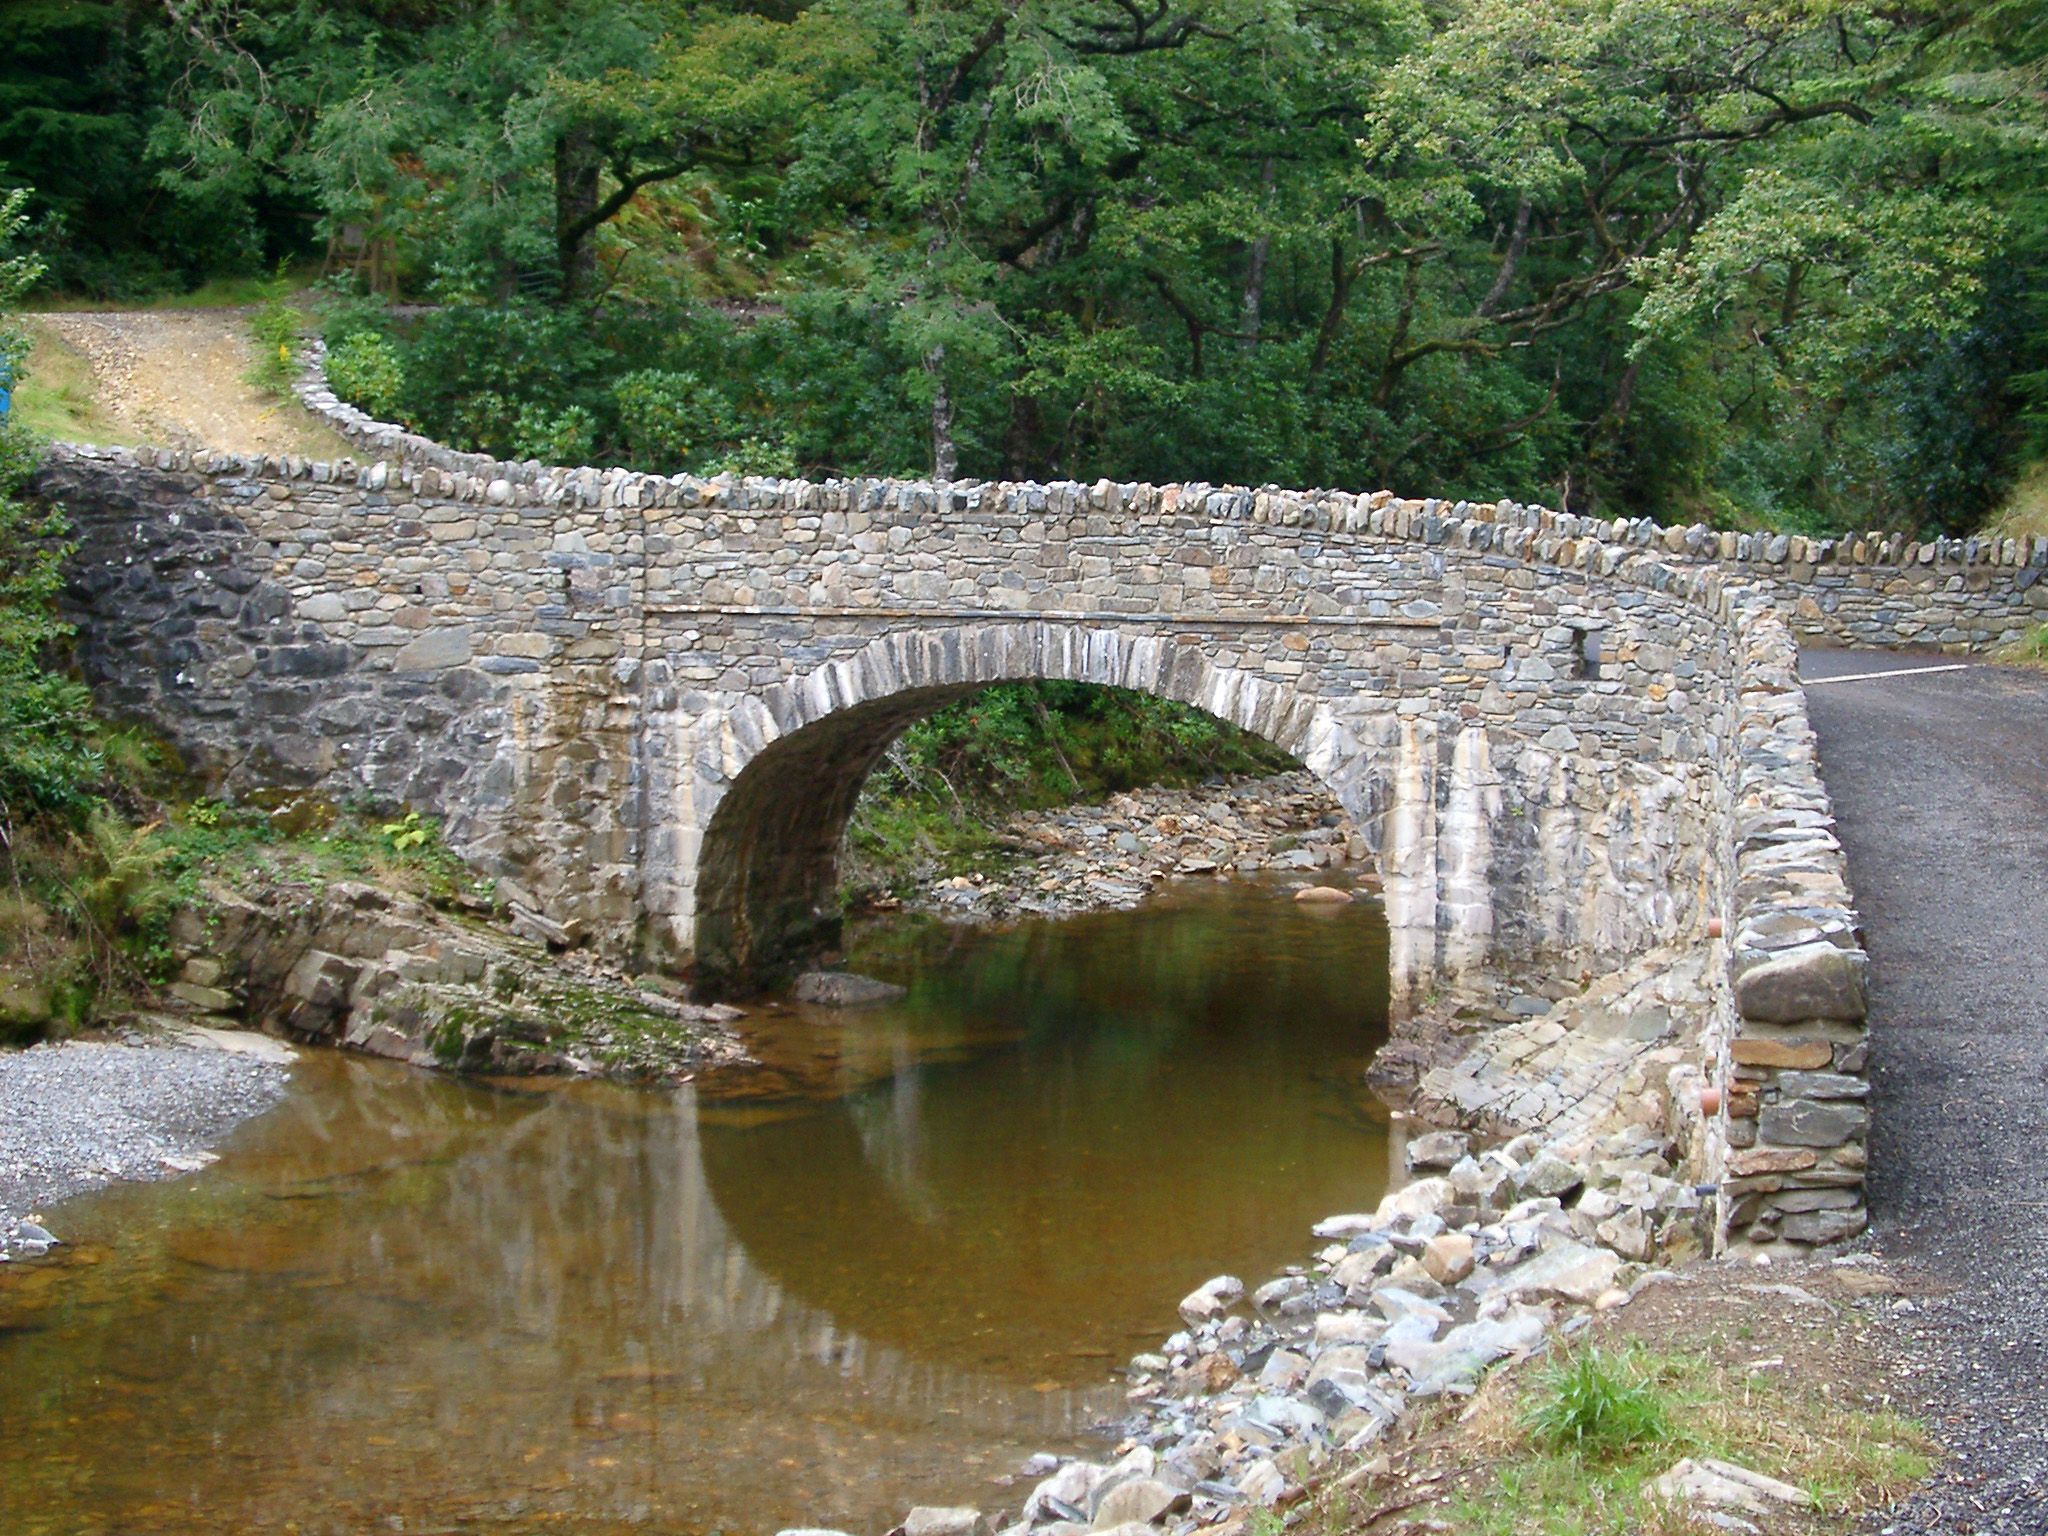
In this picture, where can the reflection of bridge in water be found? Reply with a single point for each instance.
(405, 1297)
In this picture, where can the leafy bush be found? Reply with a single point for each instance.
(665, 415)
(365, 369)
(1599, 1405)
(554, 436)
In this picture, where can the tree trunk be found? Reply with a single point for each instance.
(1255, 272)
(576, 170)
(945, 452)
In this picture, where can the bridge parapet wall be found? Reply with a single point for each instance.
(1874, 590)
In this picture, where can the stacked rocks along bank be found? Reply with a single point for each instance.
(1490, 1256)
(1562, 741)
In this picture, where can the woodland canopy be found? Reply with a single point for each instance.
(1768, 263)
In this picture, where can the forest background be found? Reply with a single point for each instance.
(1765, 264)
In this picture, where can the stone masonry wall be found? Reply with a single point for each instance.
(577, 682)
(1564, 738)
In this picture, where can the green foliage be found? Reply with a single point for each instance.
(275, 329)
(1760, 264)
(365, 369)
(409, 834)
(664, 414)
(47, 761)
(951, 777)
(1598, 1404)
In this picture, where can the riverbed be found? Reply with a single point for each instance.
(883, 1269)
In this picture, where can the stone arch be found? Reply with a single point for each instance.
(763, 782)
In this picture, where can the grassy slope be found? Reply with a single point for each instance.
(57, 400)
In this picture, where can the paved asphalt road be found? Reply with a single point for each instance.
(1940, 785)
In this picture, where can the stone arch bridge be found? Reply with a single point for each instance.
(652, 701)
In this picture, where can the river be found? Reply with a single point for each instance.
(882, 1270)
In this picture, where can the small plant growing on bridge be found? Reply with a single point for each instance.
(408, 835)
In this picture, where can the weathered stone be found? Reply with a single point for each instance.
(1759, 1160)
(843, 989)
(1569, 1271)
(1821, 1085)
(1811, 1123)
(1211, 1298)
(1448, 1257)
(434, 650)
(1703, 1481)
(1813, 981)
(1832, 1226)
(1750, 1051)
(928, 1520)
(1549, 1175)
(1437, 1150)
(1142, 1501)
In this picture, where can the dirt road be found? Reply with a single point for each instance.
(178, 378)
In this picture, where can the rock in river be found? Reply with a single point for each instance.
(843, 989)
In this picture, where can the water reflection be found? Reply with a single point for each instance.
(468, 1307)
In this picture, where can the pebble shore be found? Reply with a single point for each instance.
(1103, 857)
(83, 1114)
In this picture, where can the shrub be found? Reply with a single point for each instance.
(47, 761)
(666, 415)
(554, 435)
(276, 329)
(365, 369)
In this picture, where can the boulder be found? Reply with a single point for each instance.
(1549, 1175)
(1809, 981)
(932, 1520)
(1438, 1150)
(1324, 895)
(843, 989)
(1569, 1271)
(1072, 1487)
(1141, 1501)
(1448, 1257)
(1724, 1485)
(1210, 1298)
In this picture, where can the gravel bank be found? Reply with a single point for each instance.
(1938, 783)
(1090, 858)
(76, 1116)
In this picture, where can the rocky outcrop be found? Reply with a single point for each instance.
(373, 970)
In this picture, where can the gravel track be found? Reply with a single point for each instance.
(179, 378)
(1940, 783)
(76, 1116)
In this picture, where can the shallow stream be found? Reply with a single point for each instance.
(880, 1271)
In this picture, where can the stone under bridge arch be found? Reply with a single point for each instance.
(760, 784)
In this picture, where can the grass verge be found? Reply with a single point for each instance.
(1572, 1448)
(2030, 652)
(58, 401)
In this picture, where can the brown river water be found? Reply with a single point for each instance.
(881, 1272)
